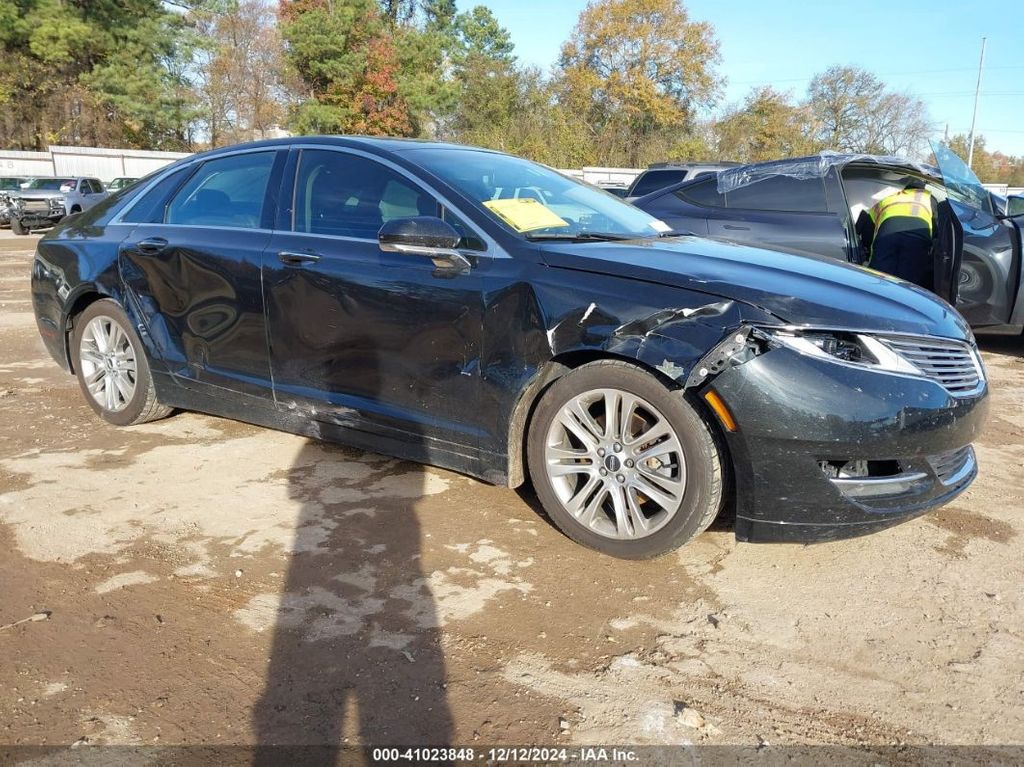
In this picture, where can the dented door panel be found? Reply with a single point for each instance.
(200, 300)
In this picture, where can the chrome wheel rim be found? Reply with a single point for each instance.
(108, 363)
(616, 464)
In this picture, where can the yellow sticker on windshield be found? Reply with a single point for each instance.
(524, 215)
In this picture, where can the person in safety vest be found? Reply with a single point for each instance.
(902, 226)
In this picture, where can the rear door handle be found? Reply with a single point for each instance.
(737, 228)
(152, 245)
(291, 258)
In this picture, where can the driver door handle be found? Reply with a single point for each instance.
(152, 245)
(291, 258)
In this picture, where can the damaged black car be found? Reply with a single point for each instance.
(483, 313)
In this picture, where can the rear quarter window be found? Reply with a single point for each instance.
(653, 180)
(783, 193)
(702, 193)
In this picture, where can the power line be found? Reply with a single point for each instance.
(882, 74)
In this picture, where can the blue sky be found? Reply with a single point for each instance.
(929, 49)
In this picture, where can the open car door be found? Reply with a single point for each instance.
(977, 253)
(947, 251)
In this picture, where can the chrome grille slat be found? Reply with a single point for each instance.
(952, 364)
(948, 464)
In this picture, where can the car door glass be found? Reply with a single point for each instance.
(228, 191)
(346, 195)
(653, 180)
(149, 208)
(782, 193)
(702, 193)
(470, 239)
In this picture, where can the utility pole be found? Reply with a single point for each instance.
(977, 93)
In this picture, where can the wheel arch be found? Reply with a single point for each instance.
(85, 296)
(547, 374)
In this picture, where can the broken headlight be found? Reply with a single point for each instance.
(859, 349)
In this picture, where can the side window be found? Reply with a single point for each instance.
(149, 209)
(227, 191)
(702, 193)
(781, 193)
(346, 195)
(653, 180)
(470, 240)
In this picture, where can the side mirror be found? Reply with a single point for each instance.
(425, 236)
(1015, 205)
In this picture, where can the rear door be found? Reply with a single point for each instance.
(977, 254)
(193, 270)
(777, 212)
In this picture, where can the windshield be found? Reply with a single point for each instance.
(959, 180)
(536, 202)
(52, 184)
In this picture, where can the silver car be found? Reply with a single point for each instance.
(44, 201)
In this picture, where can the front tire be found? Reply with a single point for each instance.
(17, 227)
(111, 366)
(621, 463)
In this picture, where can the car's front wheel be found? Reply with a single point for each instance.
(112, 368)
(17, 227)
(621, 463)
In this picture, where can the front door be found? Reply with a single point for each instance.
(378, 342)
(195, 275)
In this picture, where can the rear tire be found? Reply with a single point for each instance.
(17, 227)
(636, 484)
(112, 368)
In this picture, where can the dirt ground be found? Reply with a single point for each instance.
(210, 582)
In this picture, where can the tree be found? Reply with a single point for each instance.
(636, 68)
(99, 72)
(238, 69)
(767, 126)
(347, 67)
(989, 167)
(478, 33)
(855, 113)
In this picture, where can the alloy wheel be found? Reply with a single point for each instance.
(109, 365)
(615, 463)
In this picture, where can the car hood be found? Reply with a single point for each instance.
(798, 289)
(37, 194)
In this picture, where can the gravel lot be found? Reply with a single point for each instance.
(212, 582)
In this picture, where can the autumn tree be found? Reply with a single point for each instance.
(768, 125)
(238, 69)
(99, 72)
(636, 68)
(347, 67)
(990, 167)
(855, 112)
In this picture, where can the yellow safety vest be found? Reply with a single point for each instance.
(913, 203)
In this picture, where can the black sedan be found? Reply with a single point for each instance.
(813, 204)
(476, 311)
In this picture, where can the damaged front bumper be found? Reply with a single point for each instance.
(824, 451)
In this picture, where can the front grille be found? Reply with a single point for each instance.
(953, 364)
(35, 206)
(948, 464)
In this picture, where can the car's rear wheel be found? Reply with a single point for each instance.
(112, 368)
(17, 227)
(621, 463)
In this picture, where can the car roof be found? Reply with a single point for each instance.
(840, 160)
(373, 143)
(687, 165)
